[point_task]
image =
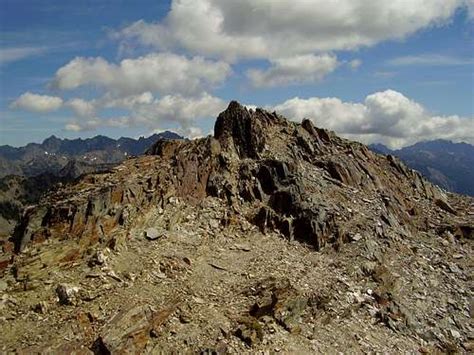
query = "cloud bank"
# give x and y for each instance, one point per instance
(277, 29)
(388, 117)
(302, 69)
(297, 41)
(166, 73)
(37, 103)
(147, 111)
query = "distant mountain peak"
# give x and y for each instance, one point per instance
(443, 162)
(31, 159)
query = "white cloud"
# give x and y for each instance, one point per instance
(81, 107)
(276, 29)
(166, 73)
(431, 60)
(128, 102)
(294, 70)
(190, 132)
(177, 108)
(13, 54)
(83, 126)
(92, 124)
(153, 113)
(387, 117)
(37, 103)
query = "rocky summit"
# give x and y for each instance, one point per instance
(269, 236)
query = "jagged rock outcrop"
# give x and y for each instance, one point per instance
(298, 179)
(178, 249)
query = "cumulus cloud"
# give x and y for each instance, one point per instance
(190, 132)
(81, 107)
(166, 73)
(276, 29)
(294, 70)
(37, 103)
(388, 117)
(128, 102)
(92, 124)
(153, 113)
(177, 108)
(83, 126)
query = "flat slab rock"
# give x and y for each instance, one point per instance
(129, 330)
(152, 234)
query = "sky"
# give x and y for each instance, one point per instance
(393, 72)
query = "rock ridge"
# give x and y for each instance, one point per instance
(255, 156)
(270, 234)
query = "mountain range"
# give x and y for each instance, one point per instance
(54, 153)
(447, 164)
(26, 173)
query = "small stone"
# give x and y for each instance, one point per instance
(152, 234)
(449, 237)
(445, 206)
(358, 298)
(187, 261)
(67, 294)
(160, 275)
(242, 247)
(356, 237)
(454, 269)
(214, 224)
(455, 334)
(3, 285)
(199, 300)
(130, 276)
(218, 267)
(113, 275)
(458, 256)
(173, 200)
(99, 258)
(469, 345)
(41, 307)
(184, 318)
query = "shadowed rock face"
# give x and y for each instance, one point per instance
(293, 178)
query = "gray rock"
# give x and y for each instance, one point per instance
(3, 285)
(152, 234)
(445, 206)
(67, 294)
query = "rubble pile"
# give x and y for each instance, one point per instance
(270, 235)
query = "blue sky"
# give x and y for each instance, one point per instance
(394, 72)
